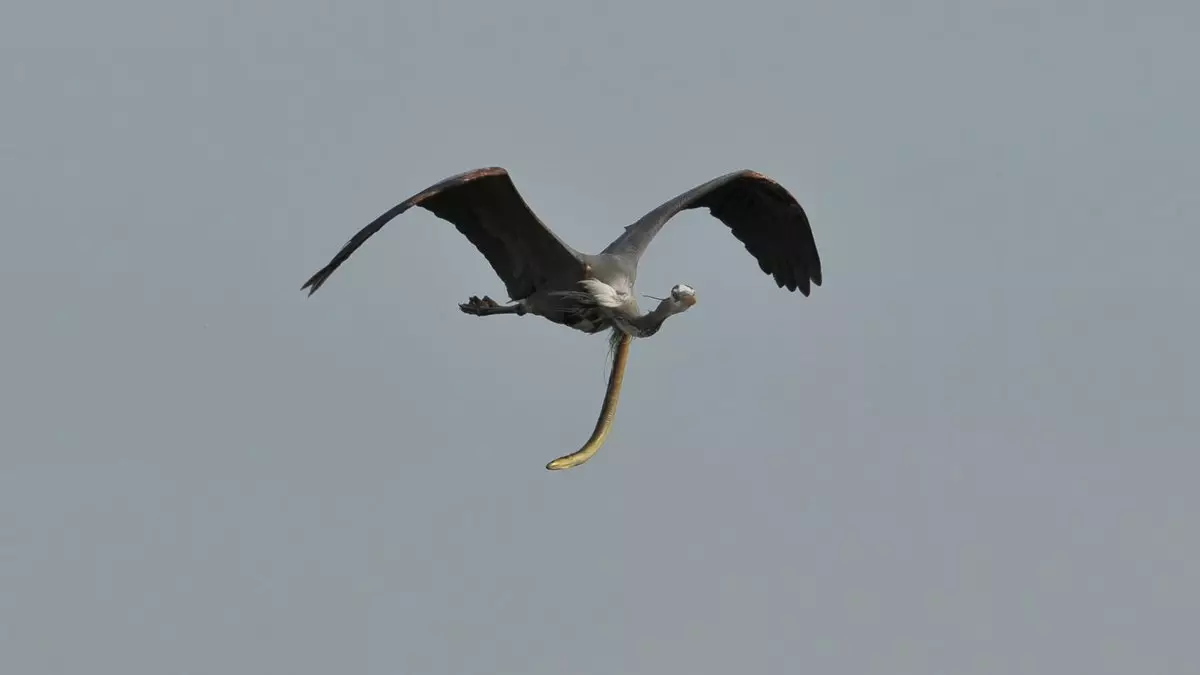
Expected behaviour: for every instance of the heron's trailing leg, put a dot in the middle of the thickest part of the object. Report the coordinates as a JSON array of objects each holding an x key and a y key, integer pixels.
[
  {"x": 607, "y": 411},
  {"x": 487, "y": 307}
]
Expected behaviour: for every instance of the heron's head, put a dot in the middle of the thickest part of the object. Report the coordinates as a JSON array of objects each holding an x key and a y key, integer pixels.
[{"x": 682, "y": 297}]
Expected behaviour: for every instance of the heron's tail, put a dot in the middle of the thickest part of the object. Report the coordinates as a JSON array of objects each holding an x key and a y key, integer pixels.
[{"x": 614, "y": 343}]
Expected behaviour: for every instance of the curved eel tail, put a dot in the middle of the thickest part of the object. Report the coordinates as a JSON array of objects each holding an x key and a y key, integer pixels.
[{"x": 607, "y": 412}]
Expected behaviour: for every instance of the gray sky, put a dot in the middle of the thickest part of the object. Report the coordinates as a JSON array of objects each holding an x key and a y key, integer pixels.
[{"x": 973, "y": 450}]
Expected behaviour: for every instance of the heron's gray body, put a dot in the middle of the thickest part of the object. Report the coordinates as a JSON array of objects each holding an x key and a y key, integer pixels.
[
  {"x": 594, "y": 292},
  {"x": 565, "y": 301}
]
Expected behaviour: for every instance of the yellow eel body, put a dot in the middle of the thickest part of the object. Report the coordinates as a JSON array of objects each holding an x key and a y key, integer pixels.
[{"x": 607, "y": 412}]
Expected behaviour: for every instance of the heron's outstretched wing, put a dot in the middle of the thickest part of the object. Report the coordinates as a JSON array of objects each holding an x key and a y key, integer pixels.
[
  {"x": 485, "y": 206},
  {"x": 761, "y": 214}
]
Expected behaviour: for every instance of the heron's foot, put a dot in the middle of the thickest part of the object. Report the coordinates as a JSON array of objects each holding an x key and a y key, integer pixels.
[
  {"x": 477, "y": 305},
  {"x": 486, "y": 306}
]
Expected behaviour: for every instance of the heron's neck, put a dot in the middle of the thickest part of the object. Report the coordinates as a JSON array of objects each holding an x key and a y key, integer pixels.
[{"x": 645, "y": 325}]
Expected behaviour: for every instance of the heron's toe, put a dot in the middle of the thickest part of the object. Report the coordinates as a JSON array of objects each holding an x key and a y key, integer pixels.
[
  {"x": 477, "y": 305},
  {"x": 471, "y": 306}
]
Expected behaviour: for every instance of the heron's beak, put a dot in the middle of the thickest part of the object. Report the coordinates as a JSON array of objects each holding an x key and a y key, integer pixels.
[{"x": 688, "y": 300}]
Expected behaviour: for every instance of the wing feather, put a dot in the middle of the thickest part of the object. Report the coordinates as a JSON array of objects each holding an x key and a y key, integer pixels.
[
  {"x": 758, "y": 211},
  {"x": 485, "y": 206}
]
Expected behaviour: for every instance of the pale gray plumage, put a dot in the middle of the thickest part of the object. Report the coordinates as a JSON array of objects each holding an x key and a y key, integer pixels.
[{"x": 593, "y": 292}]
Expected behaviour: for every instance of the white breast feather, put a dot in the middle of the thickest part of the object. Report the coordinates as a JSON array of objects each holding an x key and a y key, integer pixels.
[{"x": 603, "y": 294}]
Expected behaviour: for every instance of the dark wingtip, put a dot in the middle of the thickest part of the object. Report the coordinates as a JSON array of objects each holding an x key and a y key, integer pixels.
[
  {"x": 804, "y": 285},
  {"x": 814, "y": 279},
  {"x": 314, "y": 282}
]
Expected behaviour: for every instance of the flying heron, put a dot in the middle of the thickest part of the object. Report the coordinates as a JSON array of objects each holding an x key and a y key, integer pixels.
[{"x": 594, "y": 292}]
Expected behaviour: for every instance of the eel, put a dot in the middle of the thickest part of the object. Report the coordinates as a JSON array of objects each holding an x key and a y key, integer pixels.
[{"x": 607, "y": 411}]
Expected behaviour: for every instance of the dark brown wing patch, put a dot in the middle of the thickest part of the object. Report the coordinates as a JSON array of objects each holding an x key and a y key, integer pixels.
[
  {"x": 759, "y": 212},
  {"x": 483, "y": 205},
  {"x": 772, "y": 226}
]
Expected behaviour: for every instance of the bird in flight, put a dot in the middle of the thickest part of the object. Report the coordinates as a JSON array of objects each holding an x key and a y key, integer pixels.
[{"x": 591, "y": 293}]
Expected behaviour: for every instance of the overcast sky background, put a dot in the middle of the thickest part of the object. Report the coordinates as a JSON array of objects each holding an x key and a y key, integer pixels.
[{"x": 973, "y": 450}]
